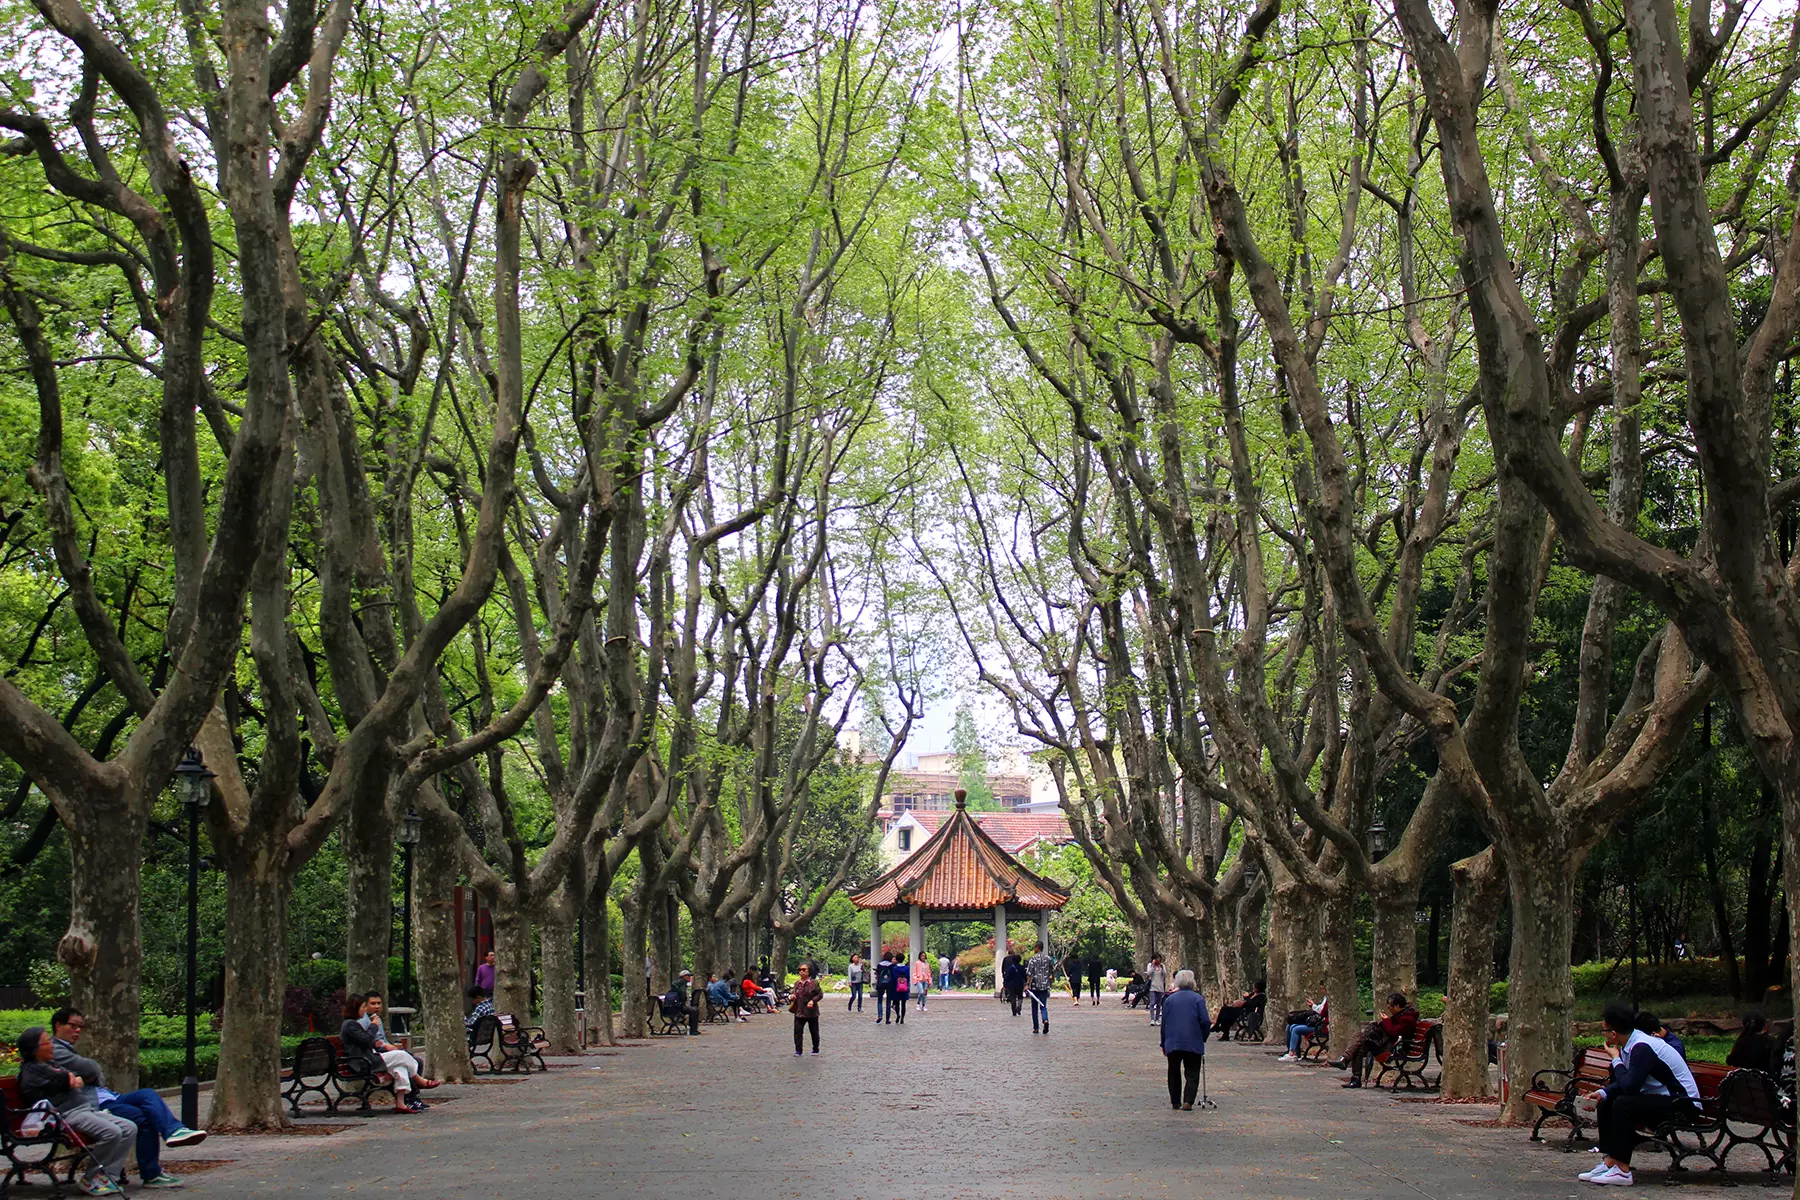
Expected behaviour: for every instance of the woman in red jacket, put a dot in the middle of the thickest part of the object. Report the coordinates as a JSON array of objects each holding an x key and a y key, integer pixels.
[{"x": 1377, "y": 1036}]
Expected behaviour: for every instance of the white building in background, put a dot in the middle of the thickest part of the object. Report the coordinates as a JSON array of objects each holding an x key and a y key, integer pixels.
[{"x": 905, "y": 832}]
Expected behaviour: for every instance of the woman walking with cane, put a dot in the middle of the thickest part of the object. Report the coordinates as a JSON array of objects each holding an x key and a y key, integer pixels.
[{"x": 1184, "y": 1030}]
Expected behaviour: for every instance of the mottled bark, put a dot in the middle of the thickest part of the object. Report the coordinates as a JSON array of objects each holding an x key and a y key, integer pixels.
[
  {"x": 597, "y": 951},
  {"x": 512, "y": 959},
  {"x": 556, "y": 932},
  {"x": 632, "y": 951},
  {"x": 441, "y": 981},
  {"x": 1337, "y": 953},
  {"x": 1480, "y": 890},
  {"x": 1540, "y": 994},
  {"x": 368, "y": 842},
  {"x": 256, "y": 890},
  {"x": 1394, "y": 965},
  {"x": 103, "y": 946}
]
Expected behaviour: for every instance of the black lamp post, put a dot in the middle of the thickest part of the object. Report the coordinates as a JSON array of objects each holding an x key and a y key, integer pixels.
[
  {"x": 1378, "y": 845},
  {"x": 195, "y": 783},
  {"x": 409, "y": 837}
]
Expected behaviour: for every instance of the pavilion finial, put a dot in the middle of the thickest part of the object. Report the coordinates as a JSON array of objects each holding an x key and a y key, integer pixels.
[{"x": 962, "y": 798}]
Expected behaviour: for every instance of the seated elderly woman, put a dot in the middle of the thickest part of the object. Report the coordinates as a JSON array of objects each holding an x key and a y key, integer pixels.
[
  {"x": 367, "y": 1048},
  {"x": 108, "y": 1137}
]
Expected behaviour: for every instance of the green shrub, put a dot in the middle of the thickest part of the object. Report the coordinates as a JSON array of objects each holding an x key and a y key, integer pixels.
[
  {"x": 1680, "y": 977},
  {"x": 1497, "y": 997},
  {"x": 320, "y": 976},
  {"x": 49, "y": 979},
  {"x": 1431, "y": 1004}
]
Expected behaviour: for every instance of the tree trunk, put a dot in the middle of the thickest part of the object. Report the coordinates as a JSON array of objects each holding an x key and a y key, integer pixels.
[
  {"x": 1283, "y": 991},
  {"x": 632, "y": 952},
  {"x": 597, "y": 949},
  {"x": 1480, "y": 890},
  {"x": 1394, "y": 965},
  {"x": 103, "y": 947},
  {"x": 1540, "y": 997},
  {"x": 512, "y": 960},
  {"x": 781, "y": 949},
  {"x": 557, "y": 952},
  {"x": 368, "y": 843},
  {"x": 247, "y": 1093},
  {"x": 441, "y": 981},
  {"x": 1337, "y": 952},
  {"x": 1251, "y": 962}
]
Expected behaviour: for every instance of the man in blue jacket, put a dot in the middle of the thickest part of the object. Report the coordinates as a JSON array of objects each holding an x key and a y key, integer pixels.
[{"x": 1184, "y": 1029}]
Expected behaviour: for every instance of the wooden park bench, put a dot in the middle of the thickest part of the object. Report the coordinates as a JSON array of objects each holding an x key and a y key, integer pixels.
[
  {"x": 1313, "y": 1042},
  {"x": 1557, "y": 1094},
  {"x": 1751, "y": 1113},
  {"x": 1249, "y": 1025},
  {"x": 352, "y": 1082},
  {"x": 498, "y": 1043},
  {"x": 1693, "y": 1132},
  {"x": 1408, "y": 1062},
  {"x": 313, "y": 1070},
  {"x": 56, "y": 1151}
]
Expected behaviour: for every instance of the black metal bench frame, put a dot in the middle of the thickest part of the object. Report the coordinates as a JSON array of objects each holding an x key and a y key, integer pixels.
[
  {"x": 1750, "y": 1099},
  {"x": 314, "y": 1059},
  {"x": 1566, "y": 1108},
  {"x": 1249, "y": 1025},
  {"x": 519, "y": 1044},
  {"x": 1409, "y": 1060},
  {"x": 64, "y": 1149},
  {"x": 1315, "y": 1041},
  {"x": 357, "y": 1083}
]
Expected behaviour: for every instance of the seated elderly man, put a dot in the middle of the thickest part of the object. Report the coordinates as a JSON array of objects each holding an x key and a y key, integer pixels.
[
  {"x": 719, "y": 992},
  {"x": 155, "y": 1126}
]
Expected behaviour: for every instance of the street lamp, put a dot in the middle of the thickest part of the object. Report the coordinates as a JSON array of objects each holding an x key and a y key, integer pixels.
[
  {"x": 409, "y": 837},
  {"x": 1377, "y": 838},
  {"x": 195, "y": 784}
]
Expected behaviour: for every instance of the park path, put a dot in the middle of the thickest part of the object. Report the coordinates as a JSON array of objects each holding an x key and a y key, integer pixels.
[{"x": 961, "y": 1101}]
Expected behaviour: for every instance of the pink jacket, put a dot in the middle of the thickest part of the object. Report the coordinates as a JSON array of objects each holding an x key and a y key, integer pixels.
[{"x": 921, "y": 976}]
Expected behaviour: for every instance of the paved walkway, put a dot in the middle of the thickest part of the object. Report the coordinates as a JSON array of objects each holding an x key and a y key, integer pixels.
[{"x": 961, "y": 1101}]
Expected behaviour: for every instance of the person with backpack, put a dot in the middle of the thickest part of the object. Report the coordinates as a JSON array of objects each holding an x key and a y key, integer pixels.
[
  {"x": 902, "y": 985},
  {"x": 1012, "y": 982},
  {"x": 884, "y": 989}
]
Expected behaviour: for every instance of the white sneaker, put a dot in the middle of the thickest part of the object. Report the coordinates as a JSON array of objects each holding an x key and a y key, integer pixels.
[
  {"x": 1288, "y": 1058},
  {"x": 1614, "y": 1177},
  {"x": 1595, "y": 1171}
]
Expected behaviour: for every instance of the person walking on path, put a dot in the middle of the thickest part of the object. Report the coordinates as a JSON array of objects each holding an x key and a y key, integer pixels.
[
  {"x": 1093, "y": 978},
  {"x": 1184, "y": 1031},
  {"x": 1159, "y": 987},
  {"x": 484, "y": 974},
  {"x": 1012, "y": 980},
  {"x": 884, "y": 989},
  {"x": 854, "y": 973},
  {"x": 921, "y": 979},
  {"x": 944, "y": 972},
  {"x": 1038, "y": 974},
  {"x": 804, "y": 1004},
  {"x": 1072, "y": 969},
  {"x": 902, "y": 990},
  {"x": 143, "y": 1108}
]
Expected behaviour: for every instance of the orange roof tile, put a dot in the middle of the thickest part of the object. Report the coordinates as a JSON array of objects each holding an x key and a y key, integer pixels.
[{"x": 962, "y": 866}]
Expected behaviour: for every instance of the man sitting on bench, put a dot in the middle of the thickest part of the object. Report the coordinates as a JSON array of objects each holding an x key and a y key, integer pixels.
[
  {"x": 678, "y": 1004},
  {"x": 1378, "y": 1036},
  {"x": 719, "y": 993},
  {"x": 482, "y": 1007},
  {"x": 1230, "y": 1014}
]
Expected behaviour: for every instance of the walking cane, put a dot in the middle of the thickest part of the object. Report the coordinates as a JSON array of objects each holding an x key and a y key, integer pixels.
[{"x": 1203, "y": 1102}]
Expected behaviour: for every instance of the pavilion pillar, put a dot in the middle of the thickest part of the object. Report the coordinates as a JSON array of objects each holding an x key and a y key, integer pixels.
[
  {"x": 999, "y": 942},
  {"x": 916, "y": 946},
  {"x": 874, "y": 941},
  {"x": 1044, "y": 930}
]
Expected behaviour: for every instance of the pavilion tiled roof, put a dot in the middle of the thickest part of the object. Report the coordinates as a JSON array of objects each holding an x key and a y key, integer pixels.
[{"x": 962, "y": 866}]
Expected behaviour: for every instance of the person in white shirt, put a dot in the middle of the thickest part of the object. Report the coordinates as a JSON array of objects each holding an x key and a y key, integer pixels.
[
  {"x": 855, "y": 974},
  {"x": 943, "y": 971},
  {"x": 1158, "y": 975}
]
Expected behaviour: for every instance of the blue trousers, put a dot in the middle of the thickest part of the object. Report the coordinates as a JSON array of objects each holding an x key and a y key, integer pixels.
[
  {"x": 145, "y": 1109},
  {"x": 856, "y": 990}
]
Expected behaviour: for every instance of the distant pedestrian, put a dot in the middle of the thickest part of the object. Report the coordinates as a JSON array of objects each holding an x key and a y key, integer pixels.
[
  {"x": 484, "y": 974},
  {"x": 1072, "y": 969},
  {"x": 884, "y": 989},
  {"x": 943, "y": 971},
  {"x": 921, "y": 979},
  {"x": 804, "y": 1004},
  {"x": 1158, "y": 977},
  {"x": 1183, "y": 1038},
  {"x": 1012, "y": 976},
  {"x": 1038, "y": 974},
  {"x": 854, "y": 973},
  {"x": 1093, "y": 978},
  {"x": 902, "y": 991}
]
